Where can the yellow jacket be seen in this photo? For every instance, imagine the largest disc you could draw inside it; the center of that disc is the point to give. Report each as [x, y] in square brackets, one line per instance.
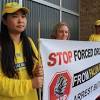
[18, 89]
[94, 37]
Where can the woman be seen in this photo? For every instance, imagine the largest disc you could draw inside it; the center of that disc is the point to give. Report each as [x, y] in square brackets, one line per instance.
[20, 73]
[61, 32]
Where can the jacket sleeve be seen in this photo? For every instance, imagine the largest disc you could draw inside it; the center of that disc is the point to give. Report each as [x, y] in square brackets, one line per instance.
[14, 87]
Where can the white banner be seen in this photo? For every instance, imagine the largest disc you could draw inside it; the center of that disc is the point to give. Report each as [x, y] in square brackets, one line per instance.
[71, 69]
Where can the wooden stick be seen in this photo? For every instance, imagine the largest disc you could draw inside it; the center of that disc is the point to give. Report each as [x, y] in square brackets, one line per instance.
[39, 42]
[40, 96]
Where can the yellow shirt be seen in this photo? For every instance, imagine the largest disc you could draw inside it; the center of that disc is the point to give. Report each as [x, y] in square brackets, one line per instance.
[18, 89]
[94, 37]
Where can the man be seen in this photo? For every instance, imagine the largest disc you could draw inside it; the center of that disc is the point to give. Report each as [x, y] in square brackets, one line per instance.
[96, 36]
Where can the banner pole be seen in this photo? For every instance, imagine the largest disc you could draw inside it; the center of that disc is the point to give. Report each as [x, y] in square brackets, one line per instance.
[40, 97]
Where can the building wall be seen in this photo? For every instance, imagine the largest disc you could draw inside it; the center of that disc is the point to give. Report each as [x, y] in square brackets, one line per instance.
[89, 13]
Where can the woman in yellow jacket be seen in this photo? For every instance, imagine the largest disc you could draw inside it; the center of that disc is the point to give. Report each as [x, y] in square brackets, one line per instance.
[96, 35]
[20, 73]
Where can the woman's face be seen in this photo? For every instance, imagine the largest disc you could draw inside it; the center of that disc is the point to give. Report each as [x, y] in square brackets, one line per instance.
[63, 33]
[16, 22]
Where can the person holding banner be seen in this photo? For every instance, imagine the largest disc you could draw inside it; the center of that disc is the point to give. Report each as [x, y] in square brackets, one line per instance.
[20, 71]
[61, 32]
[96, 36]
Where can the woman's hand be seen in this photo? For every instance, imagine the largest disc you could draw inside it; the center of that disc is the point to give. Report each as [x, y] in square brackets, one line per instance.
[37, 81]
[38, 71]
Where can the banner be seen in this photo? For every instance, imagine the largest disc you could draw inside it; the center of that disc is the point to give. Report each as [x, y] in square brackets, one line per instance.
[71, 69]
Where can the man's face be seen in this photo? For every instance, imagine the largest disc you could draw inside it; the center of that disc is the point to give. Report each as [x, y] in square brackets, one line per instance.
[97, 29]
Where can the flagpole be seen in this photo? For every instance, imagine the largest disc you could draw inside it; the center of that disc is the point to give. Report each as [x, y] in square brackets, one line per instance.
[40, 97]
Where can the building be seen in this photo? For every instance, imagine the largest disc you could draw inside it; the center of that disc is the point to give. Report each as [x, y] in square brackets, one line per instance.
[48, 13]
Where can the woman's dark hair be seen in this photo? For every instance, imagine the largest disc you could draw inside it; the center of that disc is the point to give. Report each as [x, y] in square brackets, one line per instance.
[8, 52]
